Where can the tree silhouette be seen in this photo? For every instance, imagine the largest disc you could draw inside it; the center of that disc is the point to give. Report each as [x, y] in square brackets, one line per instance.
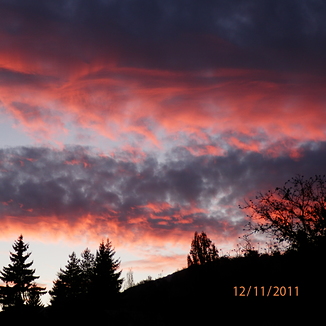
[92, 281]
[129, 281]
[202, 250]
[20, 289]
[295, 213]
[106, 279]
[67, 288]
[87, 264]
[34, 296]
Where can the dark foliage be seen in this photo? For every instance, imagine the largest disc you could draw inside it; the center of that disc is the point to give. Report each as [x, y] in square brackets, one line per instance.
[20, 289]
[88, 283]
[106, 282]
[67, 288]
[202, 250]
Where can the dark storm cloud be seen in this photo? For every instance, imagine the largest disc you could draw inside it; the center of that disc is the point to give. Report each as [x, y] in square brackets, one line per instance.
[179, 34]
[184, 192]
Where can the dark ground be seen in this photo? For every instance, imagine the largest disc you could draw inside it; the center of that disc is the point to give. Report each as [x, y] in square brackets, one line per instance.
[206, 295]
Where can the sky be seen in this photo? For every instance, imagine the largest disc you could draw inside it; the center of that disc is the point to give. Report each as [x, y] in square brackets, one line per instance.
[143, 121]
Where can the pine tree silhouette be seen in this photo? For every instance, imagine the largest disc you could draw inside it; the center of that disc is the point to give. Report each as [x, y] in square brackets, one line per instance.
[87, 263]
[67, 288]
[20, 289]
[91, 282]
[106, 279]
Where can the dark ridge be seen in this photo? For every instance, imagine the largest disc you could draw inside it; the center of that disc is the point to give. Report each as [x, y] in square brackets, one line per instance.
[203, 294]
[206, 294]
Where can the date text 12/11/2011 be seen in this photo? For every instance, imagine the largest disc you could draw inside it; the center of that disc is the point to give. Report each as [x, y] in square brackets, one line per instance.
[266, 291]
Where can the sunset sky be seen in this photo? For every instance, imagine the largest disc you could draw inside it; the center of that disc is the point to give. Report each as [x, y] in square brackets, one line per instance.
[147, 120]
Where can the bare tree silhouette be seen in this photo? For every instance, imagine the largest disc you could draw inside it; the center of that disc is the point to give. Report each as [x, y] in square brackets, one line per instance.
[295, 213]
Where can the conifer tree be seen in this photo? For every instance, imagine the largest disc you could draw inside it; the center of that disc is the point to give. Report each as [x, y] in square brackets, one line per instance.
[19, 279]
[89, 282]
[34, 296]
[106, 279]
[87, 264]
[67, 288]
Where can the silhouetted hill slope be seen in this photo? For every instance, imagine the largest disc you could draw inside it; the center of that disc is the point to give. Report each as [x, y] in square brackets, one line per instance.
[282, 290]
[206, 294]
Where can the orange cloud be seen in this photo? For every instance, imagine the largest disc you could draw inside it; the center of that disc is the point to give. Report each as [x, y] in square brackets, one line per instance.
[158, 207]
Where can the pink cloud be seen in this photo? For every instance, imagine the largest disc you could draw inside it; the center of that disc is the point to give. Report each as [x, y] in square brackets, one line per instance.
[118, 102]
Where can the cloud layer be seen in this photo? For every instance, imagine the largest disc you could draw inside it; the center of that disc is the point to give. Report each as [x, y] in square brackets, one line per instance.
[176, 112]
[234, 74]
[79, 190]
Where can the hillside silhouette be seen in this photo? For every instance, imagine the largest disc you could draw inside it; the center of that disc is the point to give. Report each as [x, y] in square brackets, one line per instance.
[206, 294]
[199, 294]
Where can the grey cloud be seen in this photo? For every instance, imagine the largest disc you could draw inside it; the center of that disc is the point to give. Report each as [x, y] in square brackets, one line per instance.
[204, 191]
